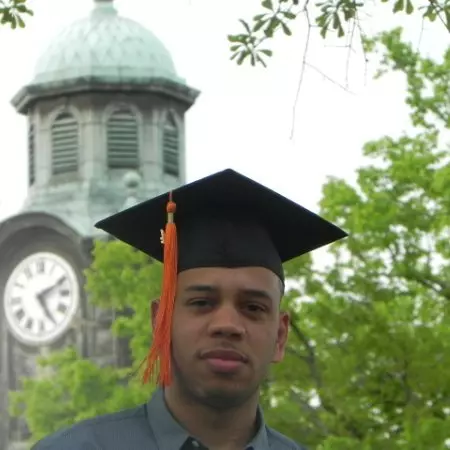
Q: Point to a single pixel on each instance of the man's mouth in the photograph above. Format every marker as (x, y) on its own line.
(224, 360)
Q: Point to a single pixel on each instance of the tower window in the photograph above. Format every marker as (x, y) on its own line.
(65, 144)
(123, 140)
(31, 155)
(171, 150)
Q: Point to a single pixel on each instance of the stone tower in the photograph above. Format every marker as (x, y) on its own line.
(105, 111)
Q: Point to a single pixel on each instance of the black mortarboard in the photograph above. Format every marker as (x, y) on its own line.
(223, 220)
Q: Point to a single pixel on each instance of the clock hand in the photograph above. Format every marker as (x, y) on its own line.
(41, 297)
(46, 291)
(45, 309)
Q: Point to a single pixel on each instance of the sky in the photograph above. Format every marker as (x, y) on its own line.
(243, 117)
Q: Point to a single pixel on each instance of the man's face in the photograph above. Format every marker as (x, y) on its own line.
(227, 330)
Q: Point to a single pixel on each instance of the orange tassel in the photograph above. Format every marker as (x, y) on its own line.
(160, 351)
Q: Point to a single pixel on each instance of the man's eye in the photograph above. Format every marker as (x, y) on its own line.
(254, 307)
(200, 302)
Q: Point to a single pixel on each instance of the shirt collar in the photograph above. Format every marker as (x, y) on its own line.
(170, 434)
(260, 441)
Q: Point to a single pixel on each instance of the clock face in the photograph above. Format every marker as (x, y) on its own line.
(41, 298)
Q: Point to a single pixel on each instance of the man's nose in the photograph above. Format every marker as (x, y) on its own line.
(226, 321)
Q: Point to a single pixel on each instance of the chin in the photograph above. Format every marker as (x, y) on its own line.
(217, 390)
(225, 393)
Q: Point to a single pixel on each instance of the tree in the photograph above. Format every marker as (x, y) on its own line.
(277, 15)
(341, 18)
(12, 13)
(373, 346)
(369, 351)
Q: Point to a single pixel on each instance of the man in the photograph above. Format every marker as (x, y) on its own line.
(218, 325)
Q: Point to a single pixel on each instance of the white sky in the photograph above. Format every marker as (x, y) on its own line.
(243, 116)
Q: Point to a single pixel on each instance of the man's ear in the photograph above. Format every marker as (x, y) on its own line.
(283, 331)
(154, 311)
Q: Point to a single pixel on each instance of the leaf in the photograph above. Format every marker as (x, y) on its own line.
(399, 6)
(286, 29)
(234, 56)
(258, 26)
(431, 16)
(349, 13)
(234, 38)
(266, 52)
(289, 15)
(409, 7)
(323, 22)
(267, 4)
(261, 61)
(259, 17)
(242, 57)
(336, 21)
(246, 26)
(273, 24)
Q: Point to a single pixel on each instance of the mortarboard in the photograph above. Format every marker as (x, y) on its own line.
(223, 220)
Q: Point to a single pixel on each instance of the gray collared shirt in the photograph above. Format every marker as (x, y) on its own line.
(150, 427)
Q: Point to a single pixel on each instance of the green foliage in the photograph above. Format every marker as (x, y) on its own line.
(374, 345)
(367, 361)
(75, 389)
(12, 13)
(340, 18)
(125, 279)
(427, 80)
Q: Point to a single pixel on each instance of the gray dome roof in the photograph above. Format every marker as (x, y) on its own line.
(106, 47)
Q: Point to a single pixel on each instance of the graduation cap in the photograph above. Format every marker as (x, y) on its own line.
(222, 220)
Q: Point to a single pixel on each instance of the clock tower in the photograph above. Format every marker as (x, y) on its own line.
(106, 113)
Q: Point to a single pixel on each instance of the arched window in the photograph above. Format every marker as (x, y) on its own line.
(65, 144)
(171, 147)
(31, 155)
(123, 140)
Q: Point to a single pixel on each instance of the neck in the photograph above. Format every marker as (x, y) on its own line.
(217, 429)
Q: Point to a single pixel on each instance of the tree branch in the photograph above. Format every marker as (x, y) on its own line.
(310, 358)
(303, 66)
(313, 412)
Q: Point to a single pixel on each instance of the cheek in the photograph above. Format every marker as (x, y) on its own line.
(181, 345)
(185, 335)
(264, 339)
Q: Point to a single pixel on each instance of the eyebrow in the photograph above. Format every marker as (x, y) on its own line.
(201, 288)
(258, 293)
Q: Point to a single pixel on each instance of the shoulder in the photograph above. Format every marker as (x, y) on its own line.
(91, 434)
(282, 442)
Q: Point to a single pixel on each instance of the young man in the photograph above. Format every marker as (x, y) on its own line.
(218, 325)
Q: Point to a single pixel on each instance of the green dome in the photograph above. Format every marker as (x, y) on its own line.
(105, 47)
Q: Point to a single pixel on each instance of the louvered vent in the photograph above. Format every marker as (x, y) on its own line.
(123, 140)
(65, 144)
(31, 156)
(171, 152)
